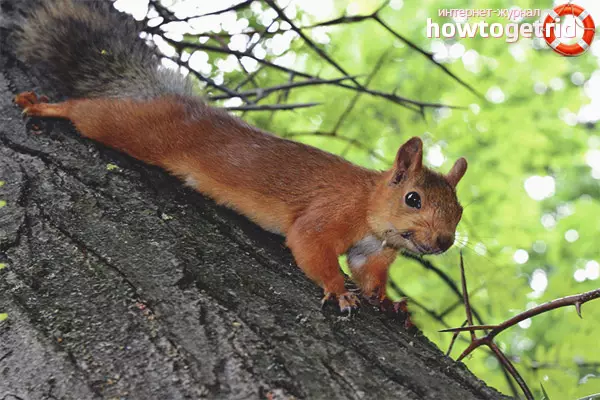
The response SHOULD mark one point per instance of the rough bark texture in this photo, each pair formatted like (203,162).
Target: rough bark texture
(121,283)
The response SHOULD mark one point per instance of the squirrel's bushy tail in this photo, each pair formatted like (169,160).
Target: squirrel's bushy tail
(85,48)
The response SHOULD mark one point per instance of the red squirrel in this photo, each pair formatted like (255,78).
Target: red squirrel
(325,206)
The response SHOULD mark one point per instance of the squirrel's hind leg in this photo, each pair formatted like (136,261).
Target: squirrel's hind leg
(25,99)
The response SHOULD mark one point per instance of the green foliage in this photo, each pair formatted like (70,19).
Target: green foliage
(519,252)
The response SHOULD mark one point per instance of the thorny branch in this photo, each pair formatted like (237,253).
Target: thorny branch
(576,300)
(488,339)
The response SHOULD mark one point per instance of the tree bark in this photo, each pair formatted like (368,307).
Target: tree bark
(121,283)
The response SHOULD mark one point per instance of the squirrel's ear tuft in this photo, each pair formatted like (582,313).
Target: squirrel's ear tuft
(409,159)
(457,172)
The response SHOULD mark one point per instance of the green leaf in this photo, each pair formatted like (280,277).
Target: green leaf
(3,316)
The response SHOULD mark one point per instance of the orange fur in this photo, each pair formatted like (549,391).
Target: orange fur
(323,204)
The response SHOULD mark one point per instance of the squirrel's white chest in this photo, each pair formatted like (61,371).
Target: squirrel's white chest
(360,251)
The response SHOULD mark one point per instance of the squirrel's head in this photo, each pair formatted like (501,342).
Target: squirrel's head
(415,208)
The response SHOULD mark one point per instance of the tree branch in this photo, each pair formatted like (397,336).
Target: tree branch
(576,300)
(488,340)
(271,107)
(169,15)
(263,92)
(444,276)
(308,41)
(428,55)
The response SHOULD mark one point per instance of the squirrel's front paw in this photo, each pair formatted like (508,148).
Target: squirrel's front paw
(347,301)
(397,308)
(378,298)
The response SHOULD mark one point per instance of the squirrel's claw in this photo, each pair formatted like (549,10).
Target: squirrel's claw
(379,298)
(394,306)
(347,301)
(397,308)
(328,296)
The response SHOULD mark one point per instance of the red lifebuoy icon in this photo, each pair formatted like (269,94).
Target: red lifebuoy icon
(582,44)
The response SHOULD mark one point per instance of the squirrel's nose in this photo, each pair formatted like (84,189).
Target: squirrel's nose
(444,241)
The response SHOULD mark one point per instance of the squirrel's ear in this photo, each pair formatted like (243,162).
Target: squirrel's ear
(409,159)
(457,172)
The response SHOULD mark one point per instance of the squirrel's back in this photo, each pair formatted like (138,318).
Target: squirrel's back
(85,48)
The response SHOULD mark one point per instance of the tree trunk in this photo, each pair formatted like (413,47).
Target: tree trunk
(121,283)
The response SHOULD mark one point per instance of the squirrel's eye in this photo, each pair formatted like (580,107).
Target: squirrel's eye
(413,200)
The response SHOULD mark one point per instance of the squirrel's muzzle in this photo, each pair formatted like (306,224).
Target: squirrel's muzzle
(444,242)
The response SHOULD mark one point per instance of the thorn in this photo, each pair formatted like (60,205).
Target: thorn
(578,309)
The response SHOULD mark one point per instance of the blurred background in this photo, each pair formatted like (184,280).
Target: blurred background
(524,116)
